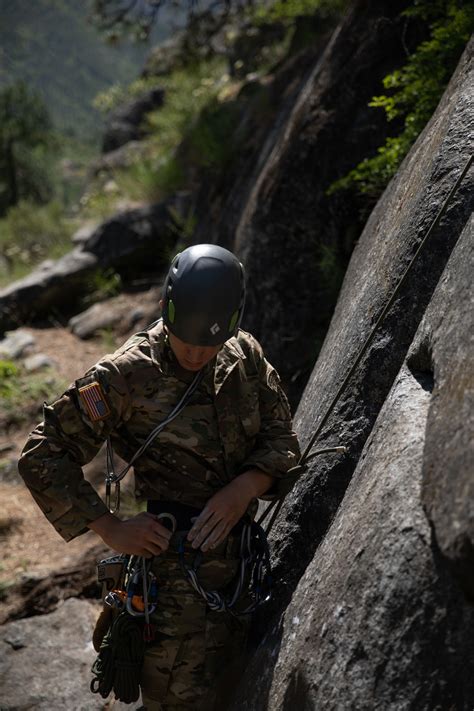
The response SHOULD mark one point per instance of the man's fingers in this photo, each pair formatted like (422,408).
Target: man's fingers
(203,517)
(217,536)
(161,530)
(205,530)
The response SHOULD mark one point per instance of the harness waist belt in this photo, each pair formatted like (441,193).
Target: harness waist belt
(182,513)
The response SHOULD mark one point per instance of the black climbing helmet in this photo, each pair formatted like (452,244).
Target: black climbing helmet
(204,295)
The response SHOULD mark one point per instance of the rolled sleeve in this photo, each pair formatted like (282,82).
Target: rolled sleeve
(67,439)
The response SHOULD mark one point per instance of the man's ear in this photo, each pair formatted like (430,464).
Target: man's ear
(160,304)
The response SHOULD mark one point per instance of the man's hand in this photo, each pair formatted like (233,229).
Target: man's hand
(225,508)
(141,535)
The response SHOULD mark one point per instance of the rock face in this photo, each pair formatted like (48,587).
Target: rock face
(126,123)
(445,346)
(39,292)
(65,657)
(377,619)
(276,214)
(57,648)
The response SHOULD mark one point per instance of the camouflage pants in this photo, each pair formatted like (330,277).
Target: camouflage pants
(198,655)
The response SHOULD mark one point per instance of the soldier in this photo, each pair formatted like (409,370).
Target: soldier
(232,443)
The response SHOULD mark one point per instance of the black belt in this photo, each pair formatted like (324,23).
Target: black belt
(183,514)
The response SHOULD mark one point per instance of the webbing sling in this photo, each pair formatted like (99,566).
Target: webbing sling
(112,477)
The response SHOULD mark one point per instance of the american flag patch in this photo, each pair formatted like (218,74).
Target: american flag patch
(94,401)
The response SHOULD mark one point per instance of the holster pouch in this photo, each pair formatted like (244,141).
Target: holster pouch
(111,573)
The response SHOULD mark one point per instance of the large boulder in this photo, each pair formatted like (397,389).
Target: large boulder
(445,347)
(134,244)
(54,285)
(377,620)
(135,241)
(45,661)
(390,238)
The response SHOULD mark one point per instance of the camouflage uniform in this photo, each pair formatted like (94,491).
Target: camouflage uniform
(237,419)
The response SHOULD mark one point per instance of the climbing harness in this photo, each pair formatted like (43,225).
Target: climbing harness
(308,454)
(112,477)
(254,573)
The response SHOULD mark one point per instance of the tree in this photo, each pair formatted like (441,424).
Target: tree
(25,135)
(115,18)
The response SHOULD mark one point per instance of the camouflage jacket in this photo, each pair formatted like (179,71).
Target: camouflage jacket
(237,419)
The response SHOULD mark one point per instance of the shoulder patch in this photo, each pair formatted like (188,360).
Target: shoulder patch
(94,401)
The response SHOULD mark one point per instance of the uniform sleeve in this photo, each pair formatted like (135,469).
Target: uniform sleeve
(277,450)
(72,432)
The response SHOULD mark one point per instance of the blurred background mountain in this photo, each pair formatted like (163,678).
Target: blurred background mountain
(53,47)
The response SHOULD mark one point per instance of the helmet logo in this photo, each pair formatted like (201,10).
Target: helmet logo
(215,329)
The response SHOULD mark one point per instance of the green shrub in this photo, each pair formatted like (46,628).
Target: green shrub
(211,139)
(414,90)
(29,233)
(332,271)
(119,94)
(287,11)
(103,284)
(188,90)
(22,394)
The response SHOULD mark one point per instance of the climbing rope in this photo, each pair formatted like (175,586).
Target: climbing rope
(118,666)
(307,454)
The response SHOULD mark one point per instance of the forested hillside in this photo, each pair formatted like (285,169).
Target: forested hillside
(52,47)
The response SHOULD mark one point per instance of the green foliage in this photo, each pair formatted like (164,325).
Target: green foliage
(103,284)
(210,140)
(193,109)
(22,394)
(25,133)
(118,94)
(414,90)
(287,11)
(29,233)
(9,373)
(181,226)
(5,585)
(332,272)
(149,179)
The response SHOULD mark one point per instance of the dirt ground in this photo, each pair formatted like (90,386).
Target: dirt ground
(29,544)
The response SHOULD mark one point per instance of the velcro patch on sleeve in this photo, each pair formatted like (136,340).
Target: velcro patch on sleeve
(94,401)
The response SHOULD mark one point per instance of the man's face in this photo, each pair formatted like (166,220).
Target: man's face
(191,357)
